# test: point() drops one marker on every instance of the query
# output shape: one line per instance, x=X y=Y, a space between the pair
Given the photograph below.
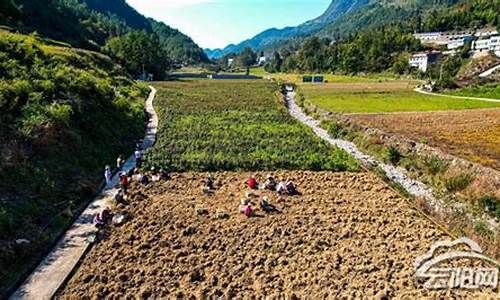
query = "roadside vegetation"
x=228 y=125
x=490 y=90
x=65 y=113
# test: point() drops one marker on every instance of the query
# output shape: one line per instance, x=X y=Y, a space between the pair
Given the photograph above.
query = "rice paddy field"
x=211 y=125
x=378 y=97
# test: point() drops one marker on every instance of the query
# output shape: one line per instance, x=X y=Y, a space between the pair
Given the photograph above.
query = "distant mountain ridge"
x=273 y=36
x=345 y=17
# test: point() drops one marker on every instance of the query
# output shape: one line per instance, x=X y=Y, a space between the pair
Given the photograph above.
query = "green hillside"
x=65 y=113
x=90 y=23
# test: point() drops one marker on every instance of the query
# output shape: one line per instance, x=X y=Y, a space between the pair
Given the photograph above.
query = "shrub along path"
x=51 y=273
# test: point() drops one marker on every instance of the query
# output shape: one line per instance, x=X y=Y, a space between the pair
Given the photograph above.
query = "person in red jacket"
x=252 y=183
x=124 y=182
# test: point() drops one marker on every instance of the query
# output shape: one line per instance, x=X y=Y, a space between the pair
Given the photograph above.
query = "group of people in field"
x=270 y=184
x=137 y=174
x=282 y=187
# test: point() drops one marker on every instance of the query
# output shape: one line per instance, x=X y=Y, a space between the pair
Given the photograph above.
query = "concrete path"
x=395 y=174
x=421 y=91
x=488 y=72
x=44 y=282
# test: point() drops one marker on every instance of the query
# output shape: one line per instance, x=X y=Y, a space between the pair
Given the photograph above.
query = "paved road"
x=421 y=91
x=44 y=282
x=396 y=174
x=488 y=72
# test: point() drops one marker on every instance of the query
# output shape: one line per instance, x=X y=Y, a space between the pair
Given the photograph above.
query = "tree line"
x=103 y=26
x=373 y=50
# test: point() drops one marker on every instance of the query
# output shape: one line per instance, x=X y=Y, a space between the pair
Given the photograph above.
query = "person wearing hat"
x=266 y=206
x=119 y=162
x=209 y=182
x=246 y=207
x=154 y=175
x=291 y=189
x=108 y=175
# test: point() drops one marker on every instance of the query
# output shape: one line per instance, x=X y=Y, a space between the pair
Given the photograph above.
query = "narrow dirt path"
x=52 y=272
x=396 y=174
x=421 y=91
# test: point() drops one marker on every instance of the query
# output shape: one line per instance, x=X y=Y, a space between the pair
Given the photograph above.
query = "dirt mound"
x=347 y=235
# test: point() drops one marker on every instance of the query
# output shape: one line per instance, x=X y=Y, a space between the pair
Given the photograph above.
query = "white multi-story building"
x=422 y=60
x=495 y=44
x=491 y=43
x=458 y=42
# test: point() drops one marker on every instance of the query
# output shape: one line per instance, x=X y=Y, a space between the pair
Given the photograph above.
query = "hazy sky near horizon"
x=217 y=23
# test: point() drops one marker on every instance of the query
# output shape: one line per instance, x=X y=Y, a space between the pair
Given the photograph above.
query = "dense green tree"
x=139 y=53
x=90 y=23
x=372 y=50
x=275 y=64
x=246 y=58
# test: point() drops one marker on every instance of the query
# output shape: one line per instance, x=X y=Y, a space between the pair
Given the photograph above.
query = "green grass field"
x=210 y=125
x=374 y=98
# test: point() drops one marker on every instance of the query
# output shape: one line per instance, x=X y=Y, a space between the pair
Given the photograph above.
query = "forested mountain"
x=345 y=18
x=90 y=23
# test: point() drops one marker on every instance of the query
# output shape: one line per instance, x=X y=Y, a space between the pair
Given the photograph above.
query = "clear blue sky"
x=217 y=23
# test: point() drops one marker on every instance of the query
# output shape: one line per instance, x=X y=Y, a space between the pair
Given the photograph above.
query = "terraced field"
x=235 y=125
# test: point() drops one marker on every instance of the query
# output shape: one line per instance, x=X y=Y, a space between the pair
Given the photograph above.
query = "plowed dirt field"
x=348 y=234
x=470 y=134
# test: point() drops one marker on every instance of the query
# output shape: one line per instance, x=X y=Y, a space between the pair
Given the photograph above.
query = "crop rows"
x=235 y=125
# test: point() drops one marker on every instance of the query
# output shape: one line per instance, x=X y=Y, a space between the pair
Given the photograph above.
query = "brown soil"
x=347 y=235
x=473 y=134
x=399 y=85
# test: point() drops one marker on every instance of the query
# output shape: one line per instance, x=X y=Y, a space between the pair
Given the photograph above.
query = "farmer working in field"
x=100 y=220
x=266 y=206
x=246 y=208
x=290 y=188
x=123 y=182
x=119 y=162
x=270 y=183
x=281 y=188
x=108 y=175
x=252 y=183
x=119 y=197
x=209 y=182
